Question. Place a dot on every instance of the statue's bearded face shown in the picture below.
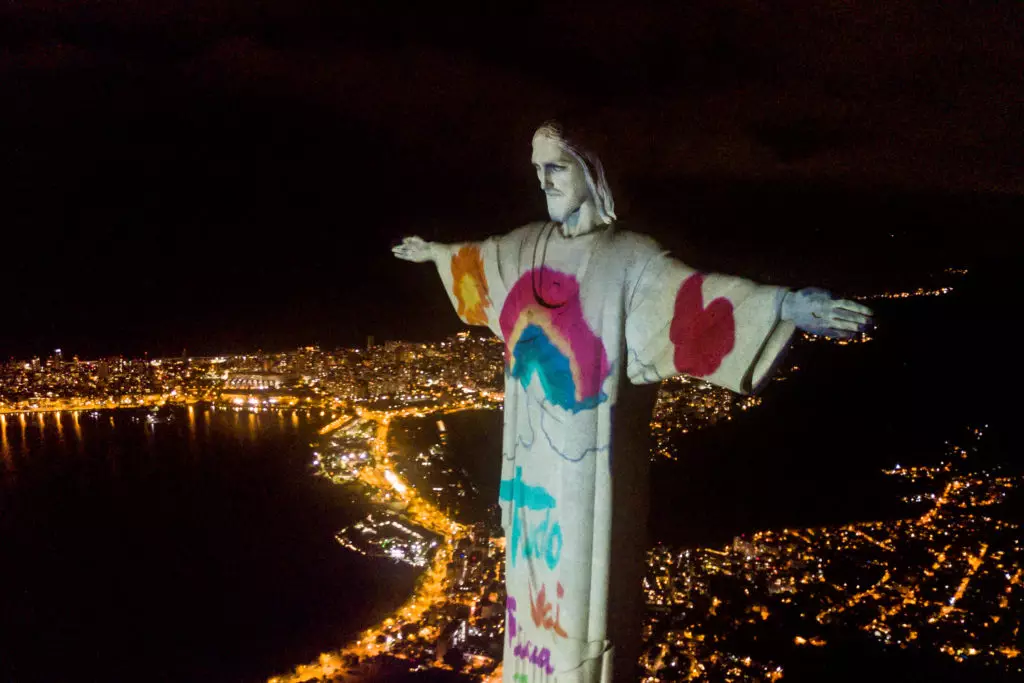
(561, 177)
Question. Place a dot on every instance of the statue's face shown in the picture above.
(561, 177)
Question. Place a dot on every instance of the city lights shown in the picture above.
(947, 577)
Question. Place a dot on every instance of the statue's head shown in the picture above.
(570, 175)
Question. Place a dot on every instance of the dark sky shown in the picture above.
(226, 174)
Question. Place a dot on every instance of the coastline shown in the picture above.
(383, 488)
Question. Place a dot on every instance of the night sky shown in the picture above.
(228, 175)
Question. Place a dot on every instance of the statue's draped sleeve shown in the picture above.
(721, 328)
(471, 274)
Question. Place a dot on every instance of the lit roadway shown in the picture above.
(52, 405)
(386, 486)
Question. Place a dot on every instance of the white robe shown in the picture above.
(578, 316)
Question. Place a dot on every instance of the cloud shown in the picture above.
(872, 132)
(45, 55)
(900, 93)
(419, 93)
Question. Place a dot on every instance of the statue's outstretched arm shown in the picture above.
(722, 328)
(416, 249)
(469, 272)
(725, 329)
(815, 311)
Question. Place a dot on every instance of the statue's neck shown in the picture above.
(582, 221)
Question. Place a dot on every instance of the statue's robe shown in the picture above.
(591, 324)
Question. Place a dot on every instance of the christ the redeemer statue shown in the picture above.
(592, 318)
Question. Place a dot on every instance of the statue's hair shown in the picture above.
(585, 154)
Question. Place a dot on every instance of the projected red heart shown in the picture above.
(702, 335)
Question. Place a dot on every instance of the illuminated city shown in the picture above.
(713, 613)
(790, 588)
(805, 587)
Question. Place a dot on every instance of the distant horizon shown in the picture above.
(306, 287)
(208, 356)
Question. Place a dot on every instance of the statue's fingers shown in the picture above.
(852, 316)
(836, 333)
(854, 306)
(837, 324)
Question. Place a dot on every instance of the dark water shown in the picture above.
(811, 453)
(197, 550)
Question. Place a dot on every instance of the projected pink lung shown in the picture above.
(554, 343)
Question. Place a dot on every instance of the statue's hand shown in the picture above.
(415, 249)
(815, 311)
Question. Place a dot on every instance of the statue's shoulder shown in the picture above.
(638, 244)
(530, 228)
(520, 234)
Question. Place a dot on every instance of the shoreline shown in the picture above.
(381, 486)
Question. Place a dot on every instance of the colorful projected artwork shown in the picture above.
(470, 285)
(702, 336)
(553, 341)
